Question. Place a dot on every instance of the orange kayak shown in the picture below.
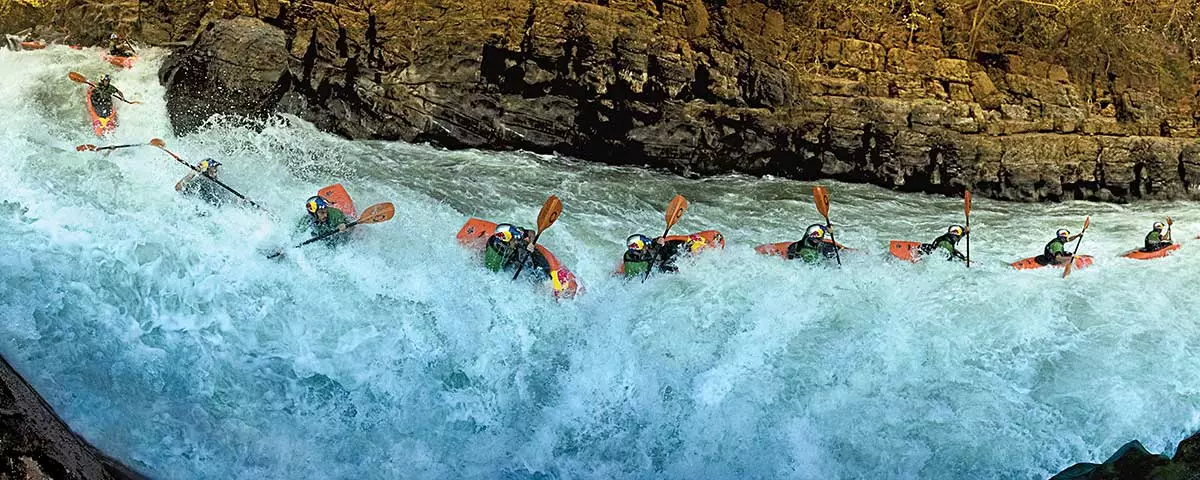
(1081, 261)
(122, 62)
(475, 233)
(712, 238)
(779, 249)
(101, 125)
(337, 197)
(1143, 255)
(910, 251)
(33, 45)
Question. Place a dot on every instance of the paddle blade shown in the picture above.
(549, 214)
(76, 77)
(967, 202)
(379, 212)
(85, 148)
(821, 198)
(1170, 222)
(1067, 269)
(1087, 222)
(158, 142)
(675, 210)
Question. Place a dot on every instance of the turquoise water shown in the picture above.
(158, 330)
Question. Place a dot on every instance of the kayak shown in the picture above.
(1140, 254)
(910, 251)
(33, 45)
(780, 248)
(712, 239)
(475, 233)
(122, 62)
(337, 197)
(1081, 261)
(101, 124)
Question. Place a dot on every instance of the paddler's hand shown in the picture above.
(341, 227)
(529, 247)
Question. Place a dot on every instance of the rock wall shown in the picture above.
(697, 87)
(1133, 462)
(35, 444)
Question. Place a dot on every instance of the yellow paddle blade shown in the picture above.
(549, 214)
(158, 142)
(675, 210)
(76, 77)
(821, 198)
(379, 212)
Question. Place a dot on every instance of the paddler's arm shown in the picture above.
(179, 186)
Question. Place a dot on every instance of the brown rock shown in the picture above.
(952, 69)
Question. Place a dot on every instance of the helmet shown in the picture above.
(207, 163)
(956, 230)
(316, 203)
(695, 243)
(112, 37)
(815, 231)
(1158, 226)
(105, 78)
(507, 232)
(637, 242)
(1062, 233)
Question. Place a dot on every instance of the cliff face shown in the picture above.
(761, 87)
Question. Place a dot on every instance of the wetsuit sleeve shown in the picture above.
(793, 250)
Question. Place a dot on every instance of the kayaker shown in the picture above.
(1056, 252)
(322, 220)
(119, 47)
(207, 190)
(948, 242)
(813, 248)
(103, 93)
(510, 246)
(642, 252)
(1156, 239)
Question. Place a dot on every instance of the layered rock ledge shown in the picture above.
(1133, 462)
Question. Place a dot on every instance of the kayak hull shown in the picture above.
(779, 249)
(712, 238)
(101, 125)
(1141, 255)
(1031, 263)
(907, 251)
(338, 198)
(476, 232)
(120, 62)
(33, 45)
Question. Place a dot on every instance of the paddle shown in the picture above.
(967, 211)
(1086, 223)
(821, 198)
(163, 145)
(675, 211)
(549, 214)
(92, 148)
(77, 78)
(379, 212)
(1169, 222)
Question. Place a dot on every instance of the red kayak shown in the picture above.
(1081, 261)
(102, 125)
(475, 233)
(910, 251)
(1140, 254)
(337, 197)
(712, 239)
(118, 61)
(33, 45)
(779, 249)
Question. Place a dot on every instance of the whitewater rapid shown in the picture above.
(157, 329)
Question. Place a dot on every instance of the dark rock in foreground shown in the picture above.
(1133, 462)
(35, 444)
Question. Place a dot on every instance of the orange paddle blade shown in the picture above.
(158, 142)
(379, 212)
(675, 210)
(967, 202)
(1170, 222)
(85, 148)
(1086, 223)
(76, 77)
(821, 198)
(549, 214)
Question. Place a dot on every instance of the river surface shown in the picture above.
(156, 327)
